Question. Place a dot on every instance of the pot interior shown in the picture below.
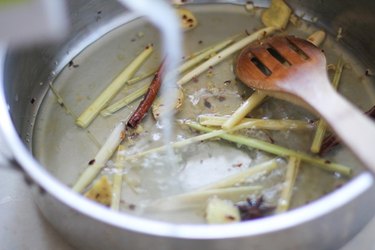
(79, 69)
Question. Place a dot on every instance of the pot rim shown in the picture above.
(64, 194)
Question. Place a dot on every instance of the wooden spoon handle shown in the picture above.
(354, 129)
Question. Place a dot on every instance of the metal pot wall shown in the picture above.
(325, 224)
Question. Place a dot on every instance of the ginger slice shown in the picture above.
(277, 15)
(220, 211)
(101, 191)
(187, 19)
(159, 106)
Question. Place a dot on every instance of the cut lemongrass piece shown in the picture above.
(212, 120)
(322, 125)
(59, 99)
(124, 101)
(102, 100)
(226, 53)
(141, 77)
(252, 102)
(204, 55)
(251, 123)
(257, 97)
(232, 38)
(178, 144)
(320, 132)
(199, 198)
(104, 154)
(217, 121)
(338, 73)
(117, 178)
(239, 178)
(317, 37)
(276, 150)
(290, 179)
(188, 64)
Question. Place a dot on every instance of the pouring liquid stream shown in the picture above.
(164, 18)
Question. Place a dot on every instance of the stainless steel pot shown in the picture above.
(325, 224)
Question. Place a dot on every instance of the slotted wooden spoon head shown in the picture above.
(275, 63)
(289, 65)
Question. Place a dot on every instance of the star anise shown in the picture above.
(254, 209)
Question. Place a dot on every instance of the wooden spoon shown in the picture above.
(290, 65)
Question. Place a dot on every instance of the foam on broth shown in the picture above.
(65, 149)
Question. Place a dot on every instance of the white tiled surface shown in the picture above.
(23, 228)
(21, 225)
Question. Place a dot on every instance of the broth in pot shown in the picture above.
(215, 175)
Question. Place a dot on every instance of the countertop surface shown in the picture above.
(23, 228)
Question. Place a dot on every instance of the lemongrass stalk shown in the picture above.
(226, 53)
(59, 99)
(102, 100)
(232, 38)
(217, 121)
(117, 178)
(274, 124)
(203, 56)
(101, 158)
(212, 120)
(252, 102)
(250, 123)
(257, 97)
(130, 182)
(322, 125)
(196, 53)
(318, 136)
(124, 101)
(185, 66)
(69, 111)
(290, 179)
(317, 37)
(239, 178)
(199, 197)
(141, 77)
(276, 150)
(178, 144)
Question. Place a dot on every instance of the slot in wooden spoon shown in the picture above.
(290, 65)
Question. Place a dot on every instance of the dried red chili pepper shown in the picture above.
(148, 99)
